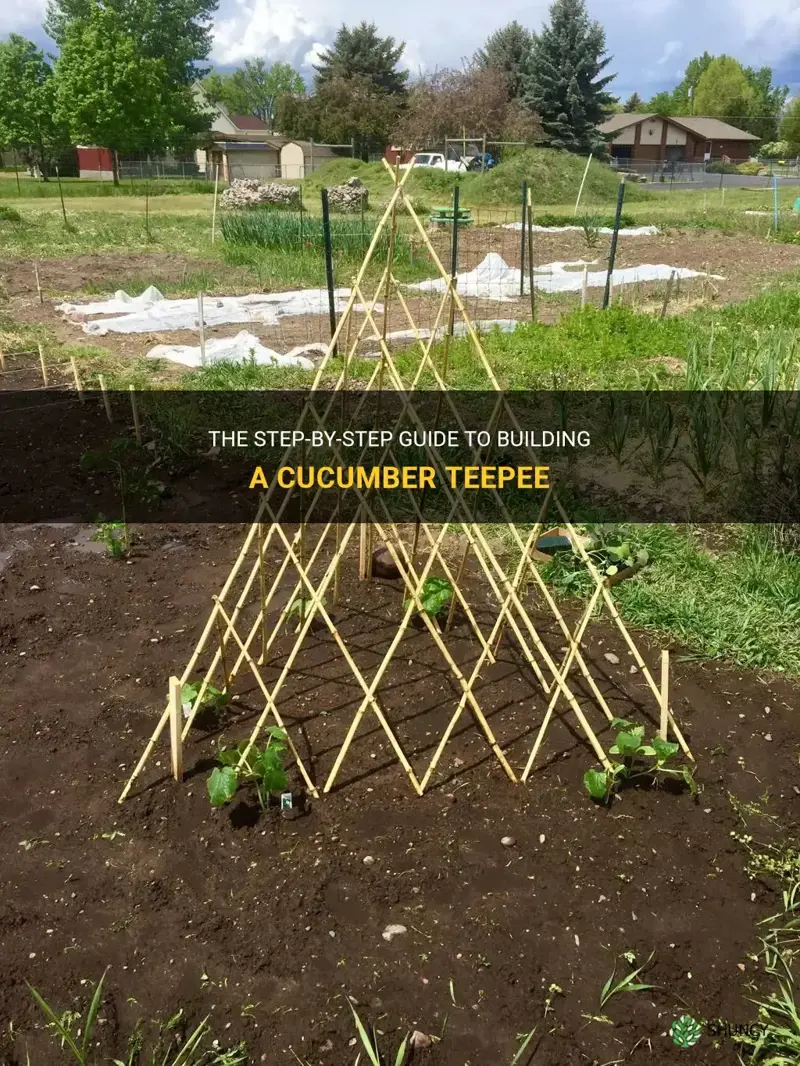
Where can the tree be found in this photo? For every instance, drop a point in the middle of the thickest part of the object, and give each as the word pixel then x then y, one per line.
pixel 564 85
pixel 508 50
pixel 27 99
pixel 358 52
pixel 254 88
pixel 176 31
pixel 633 104
pixel 724 91
pixel 770 100
pixel 347 109
pixel 790 126
pixel 661 104
pixel 109 93
pixel 445 103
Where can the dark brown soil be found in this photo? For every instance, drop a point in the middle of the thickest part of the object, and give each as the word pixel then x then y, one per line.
pixel 269 923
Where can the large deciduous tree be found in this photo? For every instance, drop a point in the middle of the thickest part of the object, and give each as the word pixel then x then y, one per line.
pixel 358 51
pixel 108 93
pixel 474 101
pixel 28 123
pixel 790 126
pixel 724 91
pixel 508 50
pixel 566 86
pixel 254 88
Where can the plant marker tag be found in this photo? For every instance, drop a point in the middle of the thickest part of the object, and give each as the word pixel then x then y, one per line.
pixel 187 708
pixel 286 801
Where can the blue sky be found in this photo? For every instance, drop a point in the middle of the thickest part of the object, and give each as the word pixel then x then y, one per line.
pixel 651 40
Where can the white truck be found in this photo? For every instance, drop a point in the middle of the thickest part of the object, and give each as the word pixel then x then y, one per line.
pixel 436 161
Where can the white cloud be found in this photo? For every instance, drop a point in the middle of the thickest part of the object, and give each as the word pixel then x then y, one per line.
pixel 762 32
pixel 670 49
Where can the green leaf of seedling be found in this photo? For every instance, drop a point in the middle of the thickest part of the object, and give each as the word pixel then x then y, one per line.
pixel 276 733
pixel 274 778
pixel 642 557
pixel 222 785
pixel 622 723
pixel 664 749
pixel 189 693
pixel 228 756
pixel 597 783
pixel 626 744
pixel 645 749
pixel 611 570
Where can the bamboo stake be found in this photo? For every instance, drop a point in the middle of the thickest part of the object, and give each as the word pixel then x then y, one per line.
pixel 262 583
pixel 162 722
pixel 137 426
pixel 76 376
pixel 38 286
pixel 176 744
pixel 2 360
pixel 583 182
pixel 226 677
pixel 106 401
pixel 530 256
pixel 202 329
pixel 43 366
pixel 214 208
pixel 585 286
pixel 667 293
pixel 662 731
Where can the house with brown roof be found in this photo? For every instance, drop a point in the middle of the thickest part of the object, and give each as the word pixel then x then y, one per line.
pixel 675 139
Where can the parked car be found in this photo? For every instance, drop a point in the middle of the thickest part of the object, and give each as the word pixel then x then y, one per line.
pixel 435 161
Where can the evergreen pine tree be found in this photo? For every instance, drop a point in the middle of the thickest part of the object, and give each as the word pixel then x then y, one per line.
pixel 564 85
pixel 359 51
pixel 509 51
pixel 633 104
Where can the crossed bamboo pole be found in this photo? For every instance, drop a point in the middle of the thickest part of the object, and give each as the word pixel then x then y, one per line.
pixel 507 591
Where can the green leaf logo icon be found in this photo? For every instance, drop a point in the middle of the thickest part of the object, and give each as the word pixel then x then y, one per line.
pixel 685 1031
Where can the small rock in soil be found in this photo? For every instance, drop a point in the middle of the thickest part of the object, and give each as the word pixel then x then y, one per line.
pixel 383 565
pixel 420 1040
pixel 368 860
pixel 611 657
pixel 508 842
pixel 392 931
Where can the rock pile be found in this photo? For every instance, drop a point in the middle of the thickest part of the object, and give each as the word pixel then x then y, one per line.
pixel 249 192
pixel 348 197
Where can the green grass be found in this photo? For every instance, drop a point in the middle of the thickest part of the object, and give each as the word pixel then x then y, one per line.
pixel 75 188
pixel 300 233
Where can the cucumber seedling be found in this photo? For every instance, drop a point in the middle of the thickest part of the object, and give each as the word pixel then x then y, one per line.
pixel 263 769
pixel 213 698
pixel 636 758
pixel 434 596
pixel 115 536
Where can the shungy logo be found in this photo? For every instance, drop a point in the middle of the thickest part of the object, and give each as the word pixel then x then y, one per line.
pixel 685 1031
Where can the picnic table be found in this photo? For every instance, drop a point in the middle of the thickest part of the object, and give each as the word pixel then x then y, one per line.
pixel 443 216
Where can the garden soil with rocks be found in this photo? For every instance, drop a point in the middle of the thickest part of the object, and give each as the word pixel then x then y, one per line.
pixel 268 923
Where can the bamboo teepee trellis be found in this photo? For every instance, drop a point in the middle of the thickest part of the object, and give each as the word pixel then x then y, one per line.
pixel 314 572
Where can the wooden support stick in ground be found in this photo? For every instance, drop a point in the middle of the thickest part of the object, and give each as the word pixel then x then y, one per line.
pixel 667 294
pixel 214 208
pixel 38 286
pixel 76 376
pixel 202 329
pixel 2 360
pixel 137 425
pixel 176 743
pixel 106 401
pixel 44 366
pixel 662 732
pixel 585 286
pixel 226 675
pixel 530 257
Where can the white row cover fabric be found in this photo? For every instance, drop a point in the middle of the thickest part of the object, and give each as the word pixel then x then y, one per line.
pixel 494 279
pixel 151 312
pixel 242 348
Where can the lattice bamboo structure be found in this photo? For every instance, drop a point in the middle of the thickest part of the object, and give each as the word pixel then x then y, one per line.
pixel 314 571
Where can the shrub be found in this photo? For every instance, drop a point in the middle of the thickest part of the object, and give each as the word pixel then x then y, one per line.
pixel 751 167
pixel 718 167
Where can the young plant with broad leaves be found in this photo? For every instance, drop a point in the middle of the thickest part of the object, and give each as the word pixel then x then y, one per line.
pixel 263 769
pixel 213 698
pixel 434 596
pixel 636 758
